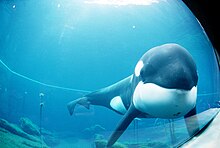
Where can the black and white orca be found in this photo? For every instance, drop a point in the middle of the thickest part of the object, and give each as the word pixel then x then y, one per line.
pixel 163 85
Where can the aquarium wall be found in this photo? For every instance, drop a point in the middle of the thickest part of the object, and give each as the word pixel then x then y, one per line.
pixel 52 52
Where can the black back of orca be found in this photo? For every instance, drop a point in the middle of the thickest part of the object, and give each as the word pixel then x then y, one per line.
pixel 162 65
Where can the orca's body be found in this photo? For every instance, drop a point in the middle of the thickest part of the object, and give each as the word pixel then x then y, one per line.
pixel 163 85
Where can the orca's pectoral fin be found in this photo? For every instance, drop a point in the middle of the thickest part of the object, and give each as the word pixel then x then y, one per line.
pixel 123 124
pixel 82 101
pixel 192 123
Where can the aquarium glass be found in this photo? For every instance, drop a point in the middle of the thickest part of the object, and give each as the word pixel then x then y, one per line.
pixel 55 51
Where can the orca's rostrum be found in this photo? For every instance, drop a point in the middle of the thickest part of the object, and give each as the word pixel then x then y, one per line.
pixel 163 85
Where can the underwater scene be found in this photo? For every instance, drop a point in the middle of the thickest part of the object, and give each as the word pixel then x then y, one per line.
pixel 104 73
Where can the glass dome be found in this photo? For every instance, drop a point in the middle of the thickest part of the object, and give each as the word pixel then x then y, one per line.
pixel 66 49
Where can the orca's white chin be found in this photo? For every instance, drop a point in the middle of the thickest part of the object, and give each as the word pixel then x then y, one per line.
pixel 161 102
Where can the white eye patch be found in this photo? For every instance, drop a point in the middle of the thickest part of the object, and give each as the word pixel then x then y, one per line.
pixel 138 68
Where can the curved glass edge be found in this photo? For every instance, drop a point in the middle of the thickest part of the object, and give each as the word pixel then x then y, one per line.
pixel 204 123
pixel 217 57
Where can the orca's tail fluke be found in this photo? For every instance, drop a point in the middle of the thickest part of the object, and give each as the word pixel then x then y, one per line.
pixel 82 101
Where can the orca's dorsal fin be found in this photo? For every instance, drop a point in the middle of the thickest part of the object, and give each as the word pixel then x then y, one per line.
pixel 123 124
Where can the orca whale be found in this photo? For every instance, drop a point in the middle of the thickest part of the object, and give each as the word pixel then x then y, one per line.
pixel 163 85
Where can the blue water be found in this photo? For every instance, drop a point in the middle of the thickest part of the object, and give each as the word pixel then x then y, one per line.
pixel 65 49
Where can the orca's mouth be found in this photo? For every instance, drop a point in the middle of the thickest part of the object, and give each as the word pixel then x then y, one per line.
pixel 174 83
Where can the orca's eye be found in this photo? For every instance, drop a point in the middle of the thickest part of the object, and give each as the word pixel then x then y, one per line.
pixel 148 73
pixel 142 75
